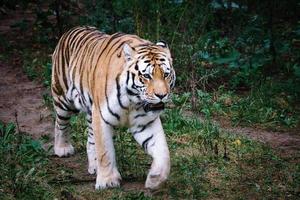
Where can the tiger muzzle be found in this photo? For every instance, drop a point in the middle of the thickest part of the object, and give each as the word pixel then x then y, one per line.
pixel 154 107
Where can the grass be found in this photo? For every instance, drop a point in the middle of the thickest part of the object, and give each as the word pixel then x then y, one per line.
pixel 37 65
pixel 269 106
pixel 206 163
pixel 23 166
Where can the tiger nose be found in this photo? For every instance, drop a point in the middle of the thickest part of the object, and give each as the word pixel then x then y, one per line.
pixel 161 96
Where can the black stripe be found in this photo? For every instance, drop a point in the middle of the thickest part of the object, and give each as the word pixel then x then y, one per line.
pixel 102 50
pixel 89 112
pixel 143 51
pixel 81 68
pixel 91 58
pixel 144 45
pixel 92 143
pixel 57 104
pixel 66 105
pixel 108 42
pixel 90 99
pixel 140 115
pixel 112 112
pixel 120 45
pixel 114 45
pixel 105 120
pixel 107 102
pixel 131 93
pixel 62 117
pixel 119 92
pixel 64 128
pixel 80 41
pixel 145 143
pixel 55 90
pixel 66 123
pixel 133 83
pixel 63 67
pixel 127 78
pixel 74 37
pixel 143 127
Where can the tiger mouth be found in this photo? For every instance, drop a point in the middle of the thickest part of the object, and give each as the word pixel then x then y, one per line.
pixel 154 107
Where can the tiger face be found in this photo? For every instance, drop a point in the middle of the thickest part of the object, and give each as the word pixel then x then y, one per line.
pixel 150 75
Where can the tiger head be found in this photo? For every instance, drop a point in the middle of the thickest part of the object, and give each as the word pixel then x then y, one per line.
pixel 150 75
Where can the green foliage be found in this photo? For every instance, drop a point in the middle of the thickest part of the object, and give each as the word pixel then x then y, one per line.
pixel 263 106
pixel 23 163
pixel 132 160
pixel 37 66
pixel 79 131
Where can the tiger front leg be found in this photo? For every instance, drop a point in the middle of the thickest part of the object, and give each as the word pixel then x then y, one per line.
pixel 152 139
pixel 107 172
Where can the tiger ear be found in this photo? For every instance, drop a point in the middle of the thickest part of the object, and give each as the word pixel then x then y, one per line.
pixel 165 46
pixel 162 44
pixel 128 52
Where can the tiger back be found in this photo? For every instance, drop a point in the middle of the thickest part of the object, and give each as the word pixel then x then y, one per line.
pixel 117 79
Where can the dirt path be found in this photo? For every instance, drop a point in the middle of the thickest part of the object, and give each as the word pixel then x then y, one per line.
pixel 286 144
pixel 21 102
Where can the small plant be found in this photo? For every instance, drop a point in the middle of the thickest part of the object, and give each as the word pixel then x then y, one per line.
pixel 79 130
pixel 22 166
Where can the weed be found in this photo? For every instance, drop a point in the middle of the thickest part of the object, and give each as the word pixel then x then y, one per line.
pixel 262 107
pixel 79 131
pixel 23 166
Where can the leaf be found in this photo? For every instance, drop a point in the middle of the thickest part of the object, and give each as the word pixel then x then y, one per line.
pixel 296 70
pixel 233 56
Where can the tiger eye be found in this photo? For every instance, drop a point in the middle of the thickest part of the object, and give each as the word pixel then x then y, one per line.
pixel 147 76
pixel 166 74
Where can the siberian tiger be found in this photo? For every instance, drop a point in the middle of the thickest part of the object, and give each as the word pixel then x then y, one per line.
pixel 117 79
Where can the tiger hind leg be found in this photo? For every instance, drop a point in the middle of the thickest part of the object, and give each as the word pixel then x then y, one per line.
pixel 62 144
pixel 90 147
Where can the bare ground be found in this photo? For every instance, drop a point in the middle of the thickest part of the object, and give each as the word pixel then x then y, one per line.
pixel 21 102
pixel 286 144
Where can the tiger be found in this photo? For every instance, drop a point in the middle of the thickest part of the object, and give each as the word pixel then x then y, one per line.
pixel 117 80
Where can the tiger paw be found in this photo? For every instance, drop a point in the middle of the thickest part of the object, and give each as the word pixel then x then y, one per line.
pixel 157 176
pixel 154 181
pixel 63 151
pixel 110 181
pixel 92 168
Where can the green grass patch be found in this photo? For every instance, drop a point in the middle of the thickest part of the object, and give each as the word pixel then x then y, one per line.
pixel 23 166
pixel 270 106
pixel 37 66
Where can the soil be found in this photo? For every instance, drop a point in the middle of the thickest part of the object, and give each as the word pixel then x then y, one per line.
pixel 21 102
pixel 285 143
